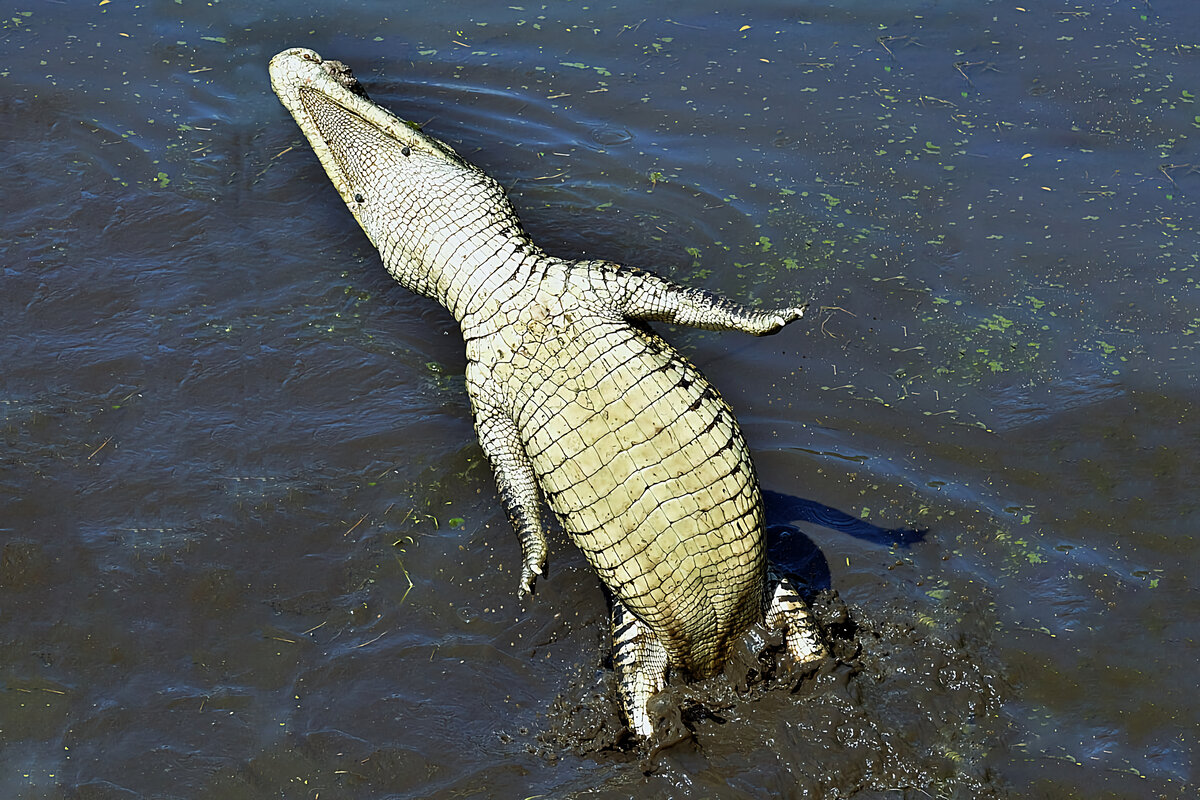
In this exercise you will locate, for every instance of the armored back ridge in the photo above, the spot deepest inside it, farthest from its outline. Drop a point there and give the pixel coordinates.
(575, 401)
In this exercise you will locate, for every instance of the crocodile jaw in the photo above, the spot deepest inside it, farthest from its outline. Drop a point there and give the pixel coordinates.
(370, 155)
(317, 93)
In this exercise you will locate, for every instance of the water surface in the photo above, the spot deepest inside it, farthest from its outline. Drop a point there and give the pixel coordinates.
(249, 544)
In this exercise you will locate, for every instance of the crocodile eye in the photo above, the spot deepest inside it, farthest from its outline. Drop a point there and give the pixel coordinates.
(406, 151)
(358, 198)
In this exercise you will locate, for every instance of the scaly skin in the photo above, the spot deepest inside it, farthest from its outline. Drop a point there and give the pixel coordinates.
(576, 401)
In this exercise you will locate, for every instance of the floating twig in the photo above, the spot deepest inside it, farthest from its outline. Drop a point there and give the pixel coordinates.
(355, 525)
(830, 316)
(962, 66)
(101, 447)
(883, 41)
(1167, 169)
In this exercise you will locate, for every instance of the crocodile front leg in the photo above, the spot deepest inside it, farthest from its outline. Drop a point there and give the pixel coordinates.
(501, 442)
(641, 295)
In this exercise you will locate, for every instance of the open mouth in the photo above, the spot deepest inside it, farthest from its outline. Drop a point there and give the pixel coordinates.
(351, 140)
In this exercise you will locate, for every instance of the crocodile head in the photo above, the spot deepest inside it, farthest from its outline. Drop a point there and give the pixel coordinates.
(407, 190)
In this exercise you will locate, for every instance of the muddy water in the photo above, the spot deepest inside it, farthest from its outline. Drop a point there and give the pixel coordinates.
(249, 547)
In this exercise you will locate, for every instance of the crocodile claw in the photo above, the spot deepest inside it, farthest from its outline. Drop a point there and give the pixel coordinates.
(778, 318)
(528, 572)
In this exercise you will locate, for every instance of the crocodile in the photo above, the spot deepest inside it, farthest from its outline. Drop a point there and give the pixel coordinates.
(577, 402)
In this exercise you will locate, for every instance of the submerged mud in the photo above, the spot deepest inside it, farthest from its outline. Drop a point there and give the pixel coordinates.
(897, 707)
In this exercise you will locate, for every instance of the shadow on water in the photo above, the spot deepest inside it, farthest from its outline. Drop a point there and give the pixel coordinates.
(798, 555)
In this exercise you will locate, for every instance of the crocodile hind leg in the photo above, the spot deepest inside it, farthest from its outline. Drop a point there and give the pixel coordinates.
(787, 610)
(641, 664)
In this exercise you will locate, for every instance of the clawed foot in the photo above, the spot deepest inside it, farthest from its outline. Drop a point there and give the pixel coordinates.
(533, 566)
(641, 664)
(778, 318)
(788, 611)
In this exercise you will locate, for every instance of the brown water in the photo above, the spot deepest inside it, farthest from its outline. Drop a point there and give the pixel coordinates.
(248, 546)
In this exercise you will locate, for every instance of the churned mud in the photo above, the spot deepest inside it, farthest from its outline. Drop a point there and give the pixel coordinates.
(896, 707)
